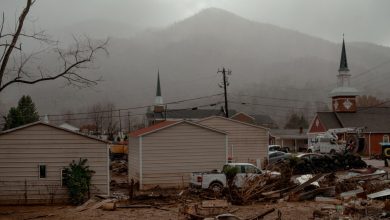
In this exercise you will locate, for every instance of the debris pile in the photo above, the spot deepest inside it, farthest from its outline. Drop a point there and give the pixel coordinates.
(119, 167)
(261, 188)
(322, 164)
(350, 190)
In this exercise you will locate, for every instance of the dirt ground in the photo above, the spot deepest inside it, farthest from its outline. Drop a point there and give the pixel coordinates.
(289, 210)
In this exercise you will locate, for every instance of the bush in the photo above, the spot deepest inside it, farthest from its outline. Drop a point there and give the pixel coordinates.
(77, 178)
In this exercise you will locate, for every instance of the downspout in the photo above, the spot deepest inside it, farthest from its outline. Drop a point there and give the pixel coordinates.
(108, 170)
(226, 149)
(232, 152)
(295, 143)
(369, 145)
(140, 163)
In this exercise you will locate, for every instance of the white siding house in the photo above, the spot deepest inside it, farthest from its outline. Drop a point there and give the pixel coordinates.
(247, 142)
(166, 153)
(32, 158)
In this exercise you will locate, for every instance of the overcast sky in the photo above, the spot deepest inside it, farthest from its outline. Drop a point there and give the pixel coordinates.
(360, 20)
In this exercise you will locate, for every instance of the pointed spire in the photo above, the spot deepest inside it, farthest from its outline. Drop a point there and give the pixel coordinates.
(158, 91)
(159, 99)
(343, 60)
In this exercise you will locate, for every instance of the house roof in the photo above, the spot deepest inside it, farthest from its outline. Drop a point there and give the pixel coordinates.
(151, 128)
(329, 120)
(289, 133)
(187, 113)
(69, 127)
(50, 125)
(263, 119)
(167, 124)
(243, 113)
(257, 119)
(373, 119)
(235, 121)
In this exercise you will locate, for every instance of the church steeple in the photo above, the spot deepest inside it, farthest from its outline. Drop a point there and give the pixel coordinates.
(158, 91)
(343, 60)
(344, 96)
(158, 103)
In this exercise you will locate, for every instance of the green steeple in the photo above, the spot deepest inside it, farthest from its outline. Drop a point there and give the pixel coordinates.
(158, 91)
(343, 60)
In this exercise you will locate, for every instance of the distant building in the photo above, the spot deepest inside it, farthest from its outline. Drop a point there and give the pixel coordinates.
(69, 127)
(161, 113)
(294, 139)
(374, 121)
(262, 120)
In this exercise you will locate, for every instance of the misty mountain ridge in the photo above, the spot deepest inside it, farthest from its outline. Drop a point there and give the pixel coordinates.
(266, 60)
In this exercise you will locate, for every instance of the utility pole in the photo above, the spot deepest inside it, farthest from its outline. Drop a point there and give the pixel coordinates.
(129, 123)
(120, 121)
(225, 84)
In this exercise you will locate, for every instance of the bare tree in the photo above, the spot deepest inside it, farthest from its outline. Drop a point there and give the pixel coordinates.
(368, 101)
(96, 116)
(18, 66)
(111, 121)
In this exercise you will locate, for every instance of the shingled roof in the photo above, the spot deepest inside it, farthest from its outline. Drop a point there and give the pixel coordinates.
(373, 119)
(329, 120)
(187, 113)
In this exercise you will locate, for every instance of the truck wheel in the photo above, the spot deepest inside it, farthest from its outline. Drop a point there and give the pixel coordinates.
(332, 151)
(216, 187)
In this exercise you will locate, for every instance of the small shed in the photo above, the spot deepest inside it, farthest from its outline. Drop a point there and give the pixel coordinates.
(32, 159)
(166, 153)
(247, 142)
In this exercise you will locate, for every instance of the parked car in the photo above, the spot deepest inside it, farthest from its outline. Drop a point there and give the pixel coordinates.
(216, 180)
(275, 147)
(276, 156)
(311, 156)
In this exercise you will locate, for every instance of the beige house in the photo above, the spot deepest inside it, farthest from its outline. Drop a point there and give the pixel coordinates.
(247, 142)
(166, 153)
(33, 156)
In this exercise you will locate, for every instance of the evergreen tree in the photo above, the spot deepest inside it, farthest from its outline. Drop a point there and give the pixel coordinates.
(24, 113)
(295, 122)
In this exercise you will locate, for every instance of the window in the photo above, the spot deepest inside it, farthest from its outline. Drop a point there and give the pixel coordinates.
(385, 138)
(251, 169)
(42, 171)
(63, 177)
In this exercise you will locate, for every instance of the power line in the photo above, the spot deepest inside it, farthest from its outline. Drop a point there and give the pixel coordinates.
(132, 108)
(274, 98)
(273, 106)
(369, 70)
(124, 109)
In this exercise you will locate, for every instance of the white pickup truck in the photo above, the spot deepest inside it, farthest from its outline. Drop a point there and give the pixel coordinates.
(216, 180)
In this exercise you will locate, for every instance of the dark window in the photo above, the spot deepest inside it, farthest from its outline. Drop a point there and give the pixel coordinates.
(63, 177)
(42, 171)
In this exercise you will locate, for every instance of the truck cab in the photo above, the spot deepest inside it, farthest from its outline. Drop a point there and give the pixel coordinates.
(324, 144)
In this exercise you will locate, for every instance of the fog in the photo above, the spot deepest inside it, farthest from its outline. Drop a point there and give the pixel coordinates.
(276, 49)
(360, 20)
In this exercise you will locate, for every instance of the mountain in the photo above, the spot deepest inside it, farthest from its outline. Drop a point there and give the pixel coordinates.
(265, 60)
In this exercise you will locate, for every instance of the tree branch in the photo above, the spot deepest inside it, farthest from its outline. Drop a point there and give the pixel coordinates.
(68, 72)
(19, 68)
(14, 39)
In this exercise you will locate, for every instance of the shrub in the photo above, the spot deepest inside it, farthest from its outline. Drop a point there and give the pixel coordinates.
(77, 178)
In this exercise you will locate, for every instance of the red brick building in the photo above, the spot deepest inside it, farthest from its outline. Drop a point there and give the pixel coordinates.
(373, 121)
